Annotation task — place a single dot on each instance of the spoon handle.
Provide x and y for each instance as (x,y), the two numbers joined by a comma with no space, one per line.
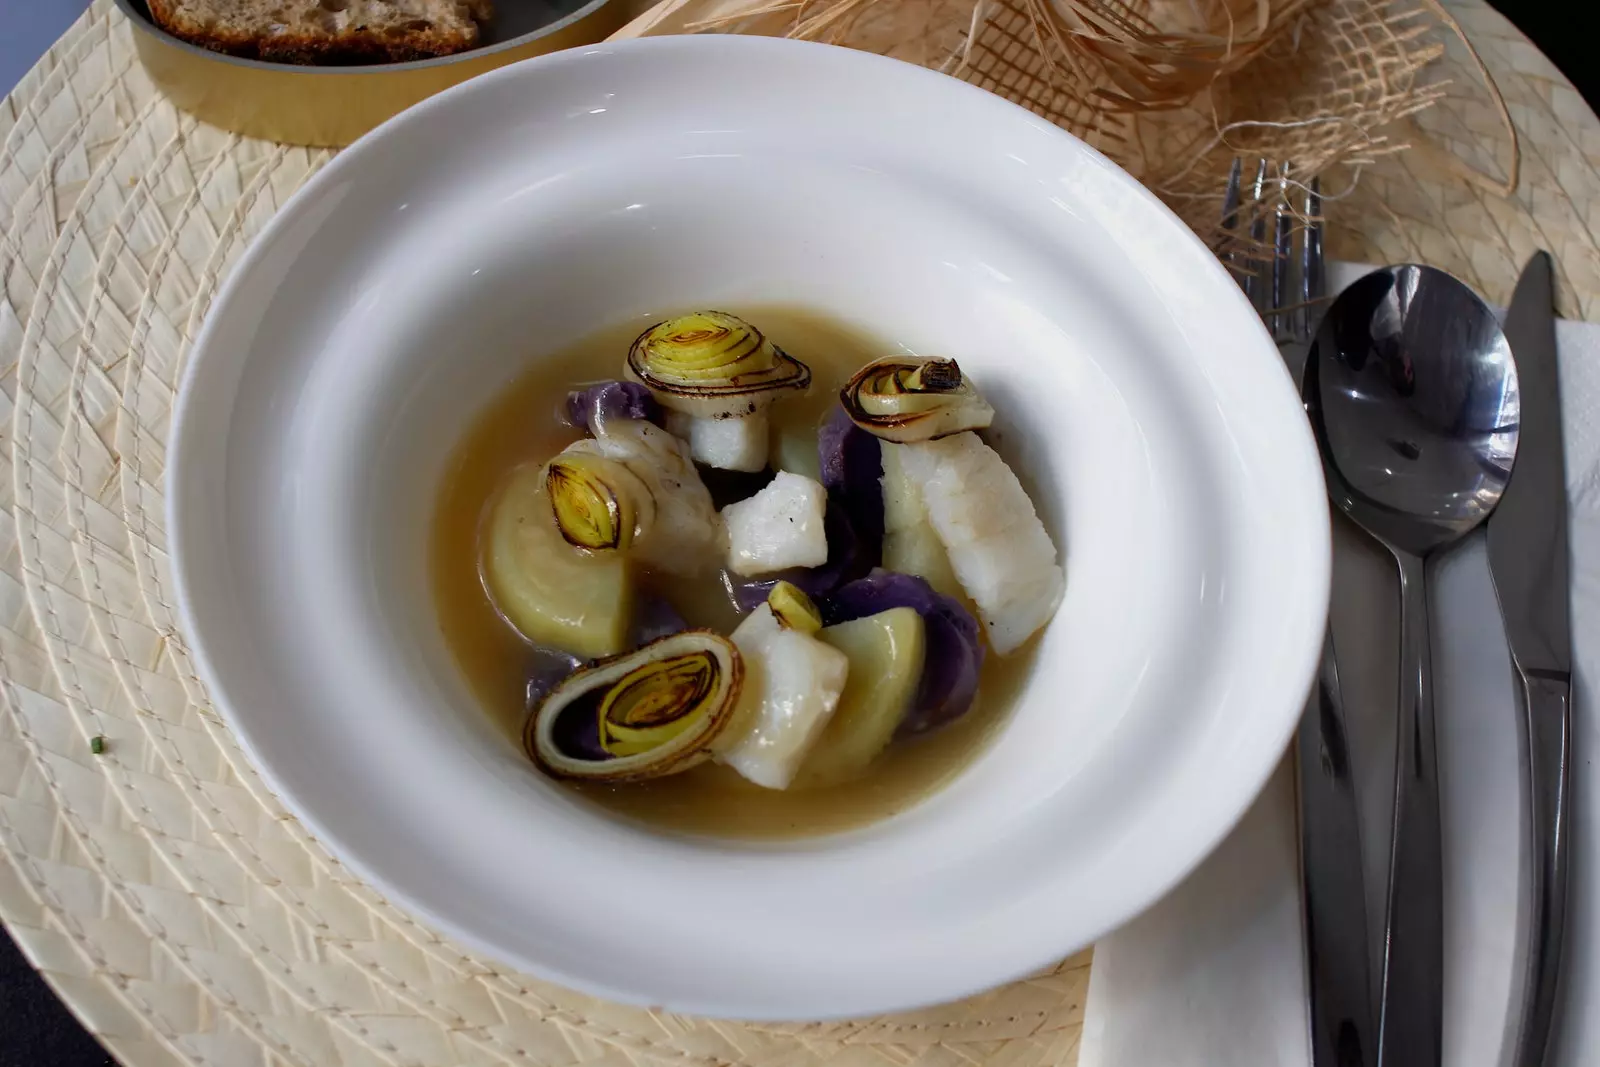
(1409,1020)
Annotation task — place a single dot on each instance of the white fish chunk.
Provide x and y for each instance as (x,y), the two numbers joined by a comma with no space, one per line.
(686,536)
(998,548)
(910,545)
(735,444)
(779,527)
(792,685)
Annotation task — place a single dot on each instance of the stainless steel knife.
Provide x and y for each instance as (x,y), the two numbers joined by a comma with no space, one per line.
(1528,561)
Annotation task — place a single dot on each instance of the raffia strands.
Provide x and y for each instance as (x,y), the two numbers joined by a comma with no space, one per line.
(1173,90)
(1160,53)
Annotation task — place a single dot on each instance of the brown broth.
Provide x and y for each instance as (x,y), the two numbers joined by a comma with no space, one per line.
(710,799)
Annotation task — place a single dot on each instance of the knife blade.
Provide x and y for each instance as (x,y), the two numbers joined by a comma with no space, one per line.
(1528,561)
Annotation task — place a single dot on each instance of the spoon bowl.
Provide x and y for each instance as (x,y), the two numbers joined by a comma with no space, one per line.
(1412,389)
(1412,393)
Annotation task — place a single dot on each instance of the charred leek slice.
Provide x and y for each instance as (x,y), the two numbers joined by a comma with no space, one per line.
(719,373)
(558,596)
(906,398)
(714,365)
(599,504)
(651,712)
(793,609)
(676,527)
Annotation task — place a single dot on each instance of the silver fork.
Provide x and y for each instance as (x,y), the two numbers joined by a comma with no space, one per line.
(1287,290)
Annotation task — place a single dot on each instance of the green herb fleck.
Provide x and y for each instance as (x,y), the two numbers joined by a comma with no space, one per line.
(97,744)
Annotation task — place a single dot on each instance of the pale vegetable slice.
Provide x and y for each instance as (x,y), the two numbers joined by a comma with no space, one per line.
(886,653)
(792,685)
(734,444)
(955,650)
(554,594)
(998,548)
(781,526)
(910,545)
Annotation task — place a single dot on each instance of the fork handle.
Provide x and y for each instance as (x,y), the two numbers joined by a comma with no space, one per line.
(1332,881)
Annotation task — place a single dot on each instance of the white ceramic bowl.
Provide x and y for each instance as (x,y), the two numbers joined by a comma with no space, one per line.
(426,266)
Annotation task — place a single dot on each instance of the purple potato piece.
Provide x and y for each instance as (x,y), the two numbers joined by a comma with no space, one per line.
(954,650)
(852,471)
(846,561)
(850,555)
(729,487)
(589,407)
(950,672)
(656,618)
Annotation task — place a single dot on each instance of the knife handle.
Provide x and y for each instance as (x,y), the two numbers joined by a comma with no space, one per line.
(1330,870)
(1548,701)
(1410,1020)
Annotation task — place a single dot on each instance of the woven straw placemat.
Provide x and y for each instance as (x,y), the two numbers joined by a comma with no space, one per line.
(163,891)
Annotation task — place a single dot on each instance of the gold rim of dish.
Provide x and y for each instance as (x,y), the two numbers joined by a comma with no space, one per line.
(330,106)
(146,24)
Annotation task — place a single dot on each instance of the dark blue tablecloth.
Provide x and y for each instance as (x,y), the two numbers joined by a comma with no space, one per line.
(27,28)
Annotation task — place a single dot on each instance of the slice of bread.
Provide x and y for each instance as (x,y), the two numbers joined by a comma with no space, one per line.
(329,32)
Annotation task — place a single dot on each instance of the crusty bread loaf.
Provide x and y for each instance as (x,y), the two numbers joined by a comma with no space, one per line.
(326,31)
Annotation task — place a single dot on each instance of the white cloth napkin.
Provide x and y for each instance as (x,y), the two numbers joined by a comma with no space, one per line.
(1214,974)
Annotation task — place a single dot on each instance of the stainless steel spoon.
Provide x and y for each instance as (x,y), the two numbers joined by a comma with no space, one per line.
(1412,392)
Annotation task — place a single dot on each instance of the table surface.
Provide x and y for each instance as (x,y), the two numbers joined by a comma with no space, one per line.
(36,1030)
(29,28)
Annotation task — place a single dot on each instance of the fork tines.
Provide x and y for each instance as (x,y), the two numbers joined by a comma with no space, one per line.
(1284,288)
